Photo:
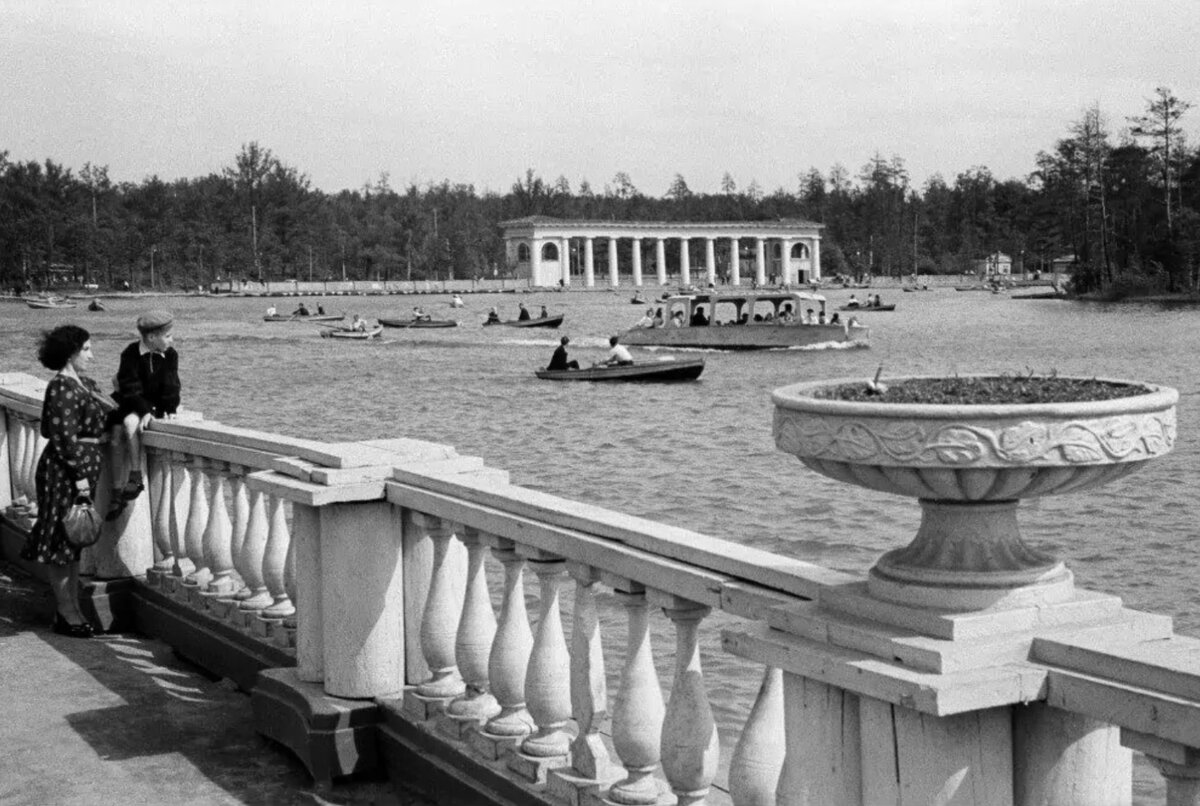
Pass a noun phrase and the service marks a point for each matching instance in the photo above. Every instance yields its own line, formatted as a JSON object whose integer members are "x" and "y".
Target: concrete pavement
{"x": 121, "y": 719}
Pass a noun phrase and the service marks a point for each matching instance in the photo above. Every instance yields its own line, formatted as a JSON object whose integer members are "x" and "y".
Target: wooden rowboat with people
{"x": 744, "y": 320}
{"x": 347, "y": 333}
{"x": 664, "y": 370}
{"x": 312, "y": 317}
{"x": 419, "y": 322}
{"x": 541, "y": 321}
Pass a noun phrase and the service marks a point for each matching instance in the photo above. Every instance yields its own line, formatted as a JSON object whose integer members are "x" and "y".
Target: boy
{"x": 147, "y": 387}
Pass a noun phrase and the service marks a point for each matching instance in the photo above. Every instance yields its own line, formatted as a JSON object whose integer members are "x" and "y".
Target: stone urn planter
{"x": 969, "y": 465}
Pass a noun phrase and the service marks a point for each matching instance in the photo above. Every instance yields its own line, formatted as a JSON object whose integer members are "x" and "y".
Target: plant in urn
{"x": 969, "y": 448}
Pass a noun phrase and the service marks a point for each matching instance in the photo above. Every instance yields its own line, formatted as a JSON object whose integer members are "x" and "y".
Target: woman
{"x": 74, "y": 416}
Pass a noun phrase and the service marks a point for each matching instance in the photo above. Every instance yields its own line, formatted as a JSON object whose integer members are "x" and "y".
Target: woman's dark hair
{"x": 60, "y": 344}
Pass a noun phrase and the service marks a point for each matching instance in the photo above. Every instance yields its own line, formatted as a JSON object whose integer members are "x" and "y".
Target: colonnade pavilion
{"x": 554, "y": 251}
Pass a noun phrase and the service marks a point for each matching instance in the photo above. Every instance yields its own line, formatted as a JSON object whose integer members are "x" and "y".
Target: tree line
{"x": 1124, "y": 205}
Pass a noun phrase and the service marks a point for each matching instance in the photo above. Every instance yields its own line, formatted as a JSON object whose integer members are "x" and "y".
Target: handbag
{"x": 82, "y": 524}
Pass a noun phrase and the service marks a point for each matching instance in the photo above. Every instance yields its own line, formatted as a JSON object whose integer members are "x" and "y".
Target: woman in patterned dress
{"x": 73, "y": 420}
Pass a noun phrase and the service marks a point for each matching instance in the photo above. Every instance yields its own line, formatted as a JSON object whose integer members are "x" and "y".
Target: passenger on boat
{"x": 457, "y": 302}
{"x": 809, "y": 317}
{"x": 419, "y": 315}
{"x": 785, "y": 313}
{"x": 493, "y": 316}
{"x": 617, "y": 354}
{"x": 559, "y": 359}
{"x": 836, "y": 319}
{"x": 358, "y": 324}
{"x": 852, "y": 302}
{"x": 271, "y": 310}
{"x": 647, "y": 319}
{"x": 320, "y": 309}
{"x": 545, "y": 314}
{"x": 821, "y": 318}
{"x": 677, "y": 319}
{"x": 698, "y": 317}
{"x": 523, "y": 316}
{"x": 95, "y": 305}
{"x": 657, "y": 319}
{"x": 301, "y": 311}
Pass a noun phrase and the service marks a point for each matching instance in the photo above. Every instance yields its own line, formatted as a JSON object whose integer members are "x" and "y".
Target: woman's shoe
{"x": 64, "y": 627}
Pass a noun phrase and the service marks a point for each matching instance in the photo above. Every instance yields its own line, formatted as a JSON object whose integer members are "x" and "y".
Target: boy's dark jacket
{"x": 148, "y": 384}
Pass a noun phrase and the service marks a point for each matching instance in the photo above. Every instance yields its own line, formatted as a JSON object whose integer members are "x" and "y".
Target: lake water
{"x": 698, "y": 455}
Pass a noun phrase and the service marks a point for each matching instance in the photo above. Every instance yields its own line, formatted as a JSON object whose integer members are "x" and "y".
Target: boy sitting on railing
{"x": 147, "y": 387}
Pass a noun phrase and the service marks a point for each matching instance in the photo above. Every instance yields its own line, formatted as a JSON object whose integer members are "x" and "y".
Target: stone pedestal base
{"x": 331, "y": 736}
{"x": 576, "y": 790}
{"x": 534, "y": 768}
{"x": 491, "y": 747}
{"x": 422, "y": 709}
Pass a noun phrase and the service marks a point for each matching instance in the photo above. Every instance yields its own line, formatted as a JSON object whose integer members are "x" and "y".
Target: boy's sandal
{"x": 132, "y": 490}
{"x": 115, "y": 508}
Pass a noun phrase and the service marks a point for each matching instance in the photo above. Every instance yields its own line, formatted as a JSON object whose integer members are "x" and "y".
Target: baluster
{"x": 241, "y": 522}
{"x": 160, "y": 499}
{"x": 7, "y": 488}
{"x": 218, "y": 534}
{"x": 274, "y": 560}
{"x": 638, "y": 711}
{"x": 548, "y": 679}
{"x": 197, "y": 522}
{"x": 439, "y": 622}
{"x": 24, "y": 473}
{"x": 16, "y": 456}
{"x": 510, "y": 649}
{"x": 690, "y": 747}
{"x": 757, "y": 760}
{"x": 181, "y": 491}
{"x": 589, "y": 690}
{"x": 476, "y": 630}
{"x": 255, "y": 595}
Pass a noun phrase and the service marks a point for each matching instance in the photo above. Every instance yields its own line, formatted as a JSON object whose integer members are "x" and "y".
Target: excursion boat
{"x": 661, "y": 371}
{"x": 347, "y": 333}
{"x": 312, "y": 317}
{"x": 749, "y": 320}
{"x": 543, "y": 321}
{"x": 418, "y": 322}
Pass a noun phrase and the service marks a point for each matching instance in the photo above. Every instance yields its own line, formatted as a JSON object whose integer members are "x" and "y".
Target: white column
{"x": 197, "y": 521}
{"x": 735, "y": 263}
{"x": 690, "y": 747}
{"x": 660, "y": 260}
{"x": 816, "y": 258}
{"x": 535, "y": 262}
{"x": 255, "y": 595}
{"x": 760, "y": 262}
{"x": 218, "y": 535}
{"x": 785, "y": 261}
{"x": 613, "y": 272}
{"x": 710, "y": 261}
{"x": 275, "y": 557}
{"x": 637, "y": 262}
{"x": 589, "y": 262}
{"x": 548, "y": 676}
{"x": 439, "y": 624}
{"x": 564, "y": 260}
{"x": 180, "y": 493}
{"x": 510, "y": 648}
{"x": 589, "y": 690}
{"x": 638, "y": 711}
{"x": 160, "y": 500}
{"x": 476, "y": 631}
{"x": 685, "y": 263}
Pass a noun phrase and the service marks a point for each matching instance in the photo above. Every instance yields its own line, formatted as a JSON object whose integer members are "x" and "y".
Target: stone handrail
{"x": 367, "y": 563}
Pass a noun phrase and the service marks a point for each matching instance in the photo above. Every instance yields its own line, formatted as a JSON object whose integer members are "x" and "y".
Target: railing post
{"x": 473, "y": 644}
{"x": 278, "y": 540}
{"x": 758, "y": 758}
{"x": 197, "y": 522}
{"x": 362, "y": 599}
{"x": 690, "y": 746}
{"x": 439, "y": 625}
{"x": 591, "y": 766}
{"x": 638, "y": 711}
{"x": 6, "y": 474}
{"x": 255, "y": 595}
{"x": 181, "y": 491}
{"x": 1068, "y": 759}
{"x": 548, "y": 676}
{"x": 160, "y": 500}
{"x": 238, "y": 526}
{"x": 508, "y": 660}
{"x": 218, "y": 534}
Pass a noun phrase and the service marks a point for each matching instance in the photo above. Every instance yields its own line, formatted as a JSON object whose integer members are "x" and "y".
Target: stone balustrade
{"x": 374, "y": 598}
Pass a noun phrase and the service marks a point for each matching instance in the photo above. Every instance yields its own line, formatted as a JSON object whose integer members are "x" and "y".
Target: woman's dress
{"x": 70, "y": 411}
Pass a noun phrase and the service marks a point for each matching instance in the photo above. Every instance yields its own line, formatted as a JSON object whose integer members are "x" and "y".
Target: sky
{"x": 478, "y": 92}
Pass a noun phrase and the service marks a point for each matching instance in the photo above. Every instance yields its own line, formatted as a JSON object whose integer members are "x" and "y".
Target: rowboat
{"x": 312, "y": 317}
{"x": 745, "y": 320}
{"x": 49, "y": 303}
{"x": 418, "y": 322}
{"x": 347, "y": 333}
{"x": 890, "y": 307}
{"x": 663, "y": 370}
{"x": 544, "y": 321}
